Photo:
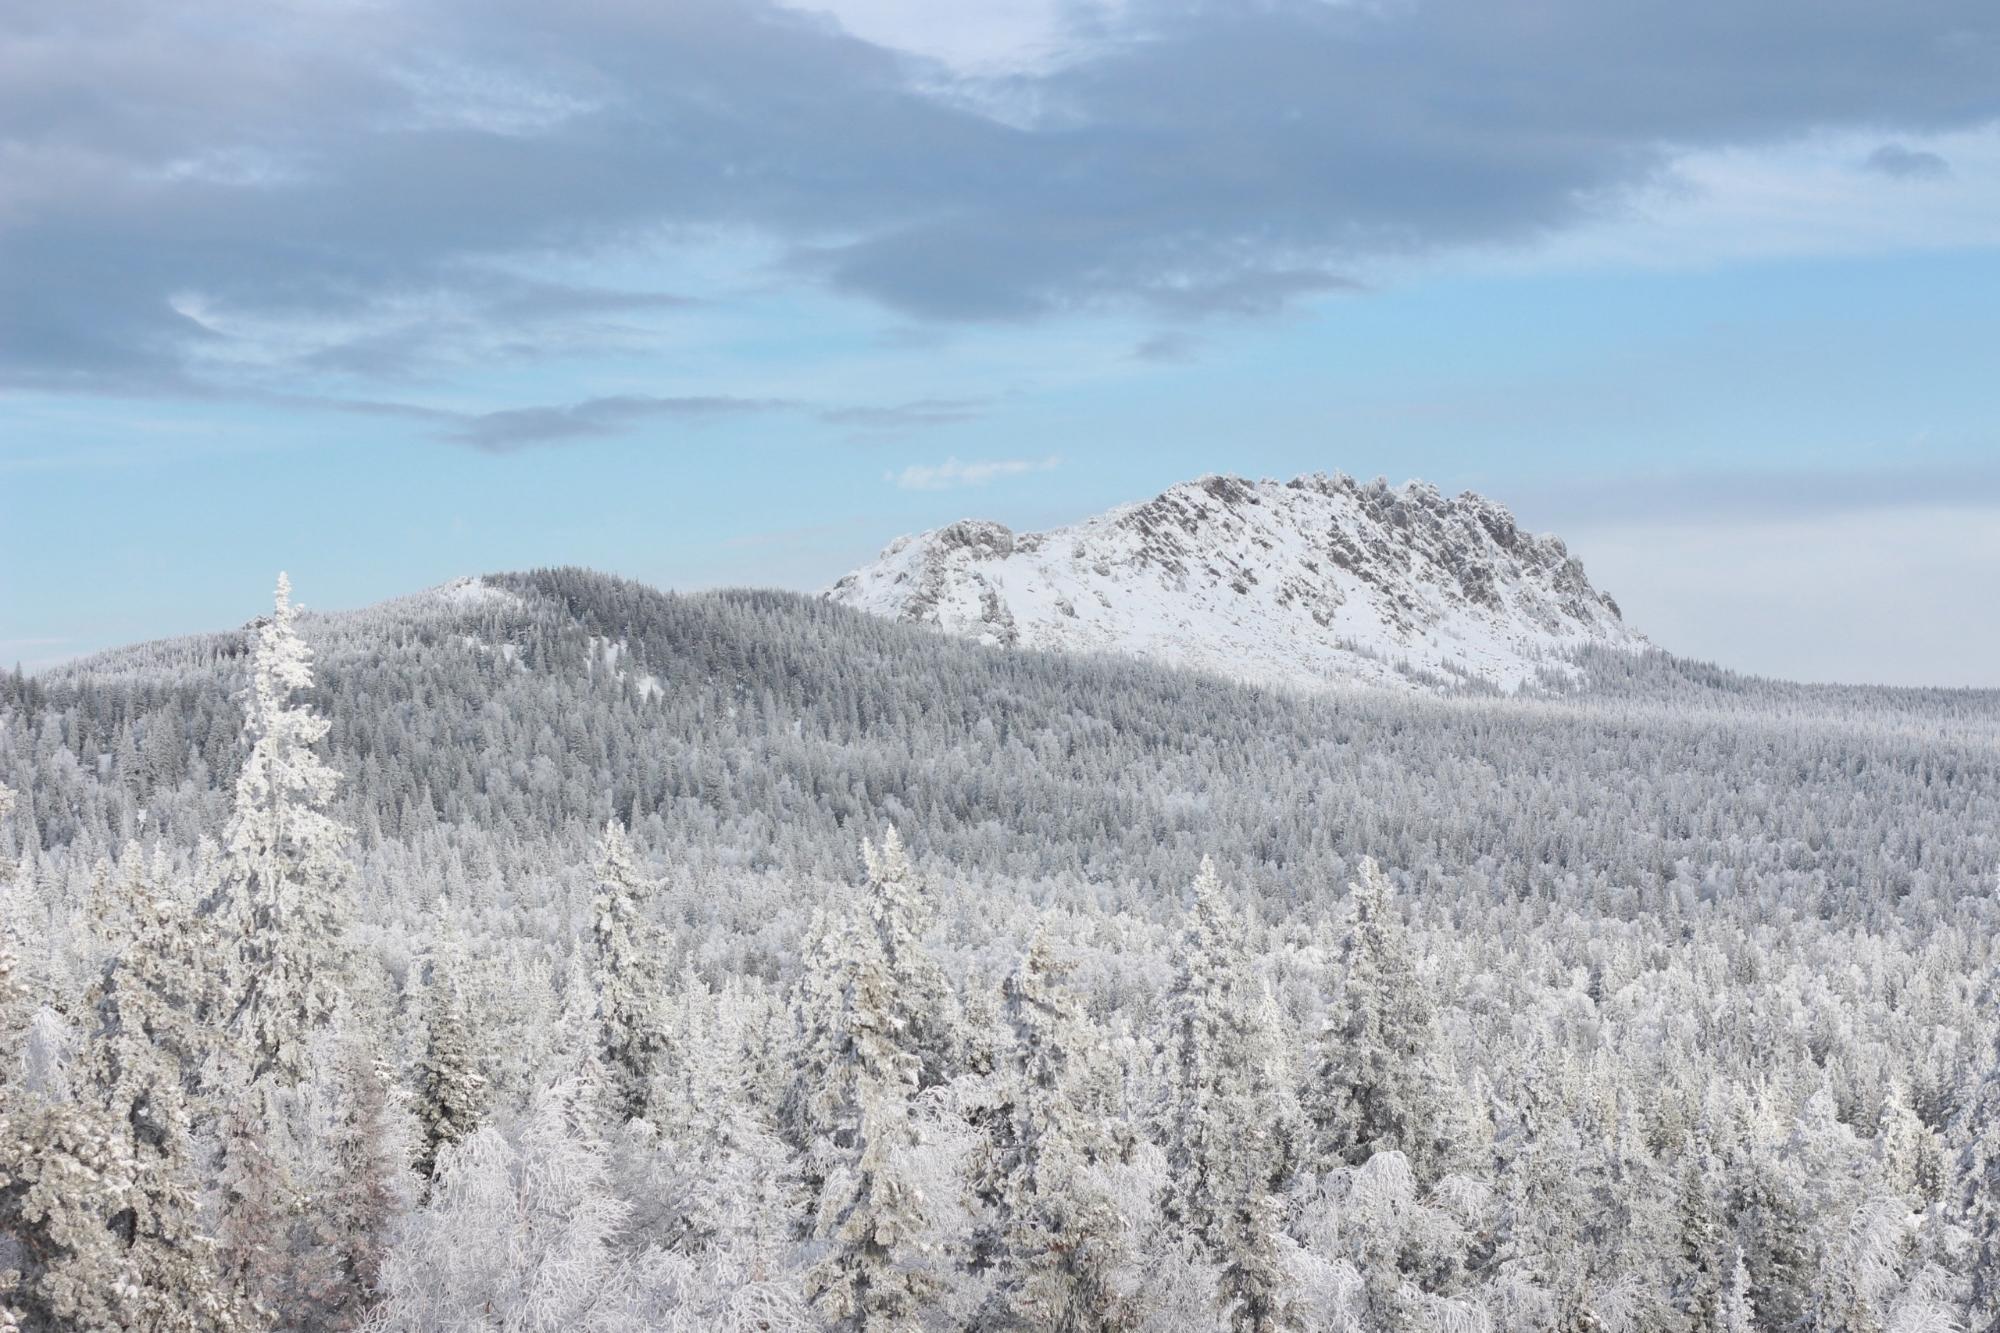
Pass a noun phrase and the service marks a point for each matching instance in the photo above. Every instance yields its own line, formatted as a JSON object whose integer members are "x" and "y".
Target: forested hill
{"x": 1668, "y": 1010}
{"x": 766, "y": 729}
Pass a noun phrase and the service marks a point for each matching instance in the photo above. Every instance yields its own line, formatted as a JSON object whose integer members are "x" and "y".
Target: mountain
{"x": 1320, "y": 580}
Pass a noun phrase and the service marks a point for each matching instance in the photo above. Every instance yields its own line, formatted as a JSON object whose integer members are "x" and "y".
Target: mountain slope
{"x": 1316, "y": 581}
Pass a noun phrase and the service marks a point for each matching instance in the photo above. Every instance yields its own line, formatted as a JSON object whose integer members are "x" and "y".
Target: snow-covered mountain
{"x": 1320, "y": 580}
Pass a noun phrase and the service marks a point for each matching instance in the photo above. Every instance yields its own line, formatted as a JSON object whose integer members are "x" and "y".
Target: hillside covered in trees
{"x": 545, "y": 952}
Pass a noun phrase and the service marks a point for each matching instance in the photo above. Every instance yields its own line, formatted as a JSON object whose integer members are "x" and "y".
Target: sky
{"x": 718, "y": 292}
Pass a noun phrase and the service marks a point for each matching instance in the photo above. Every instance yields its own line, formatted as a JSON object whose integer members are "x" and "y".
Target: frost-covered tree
{"x": 1222, "y": 1110}
{"x": 1374, "y": 1088}
{"x": 370, "y": 1185}
{"x": 99, "y": 1224}
{"x": 61, "y": 1179}
{"x": 1738, "y": 1313}
{"x": 741, "y": 1271}
{"x": 142, "y": 1057}
{"x": 519, "y": 1233}
{"x": 1698, "y": 1283}
{"x": 883, "y": 926}
{"x": 881, "y": 1270}
{"x": 451, "y": 1092}
{"x": 1909, "y": 1160}
{"x": 1776, "y": 1239}
{"x": 285, "y": 861}
{"x": 630, "y": 969}
{"x": 1979, "y": 1194}
{"x": 900, "y": 905}
{"x": 1066, "y": 1248}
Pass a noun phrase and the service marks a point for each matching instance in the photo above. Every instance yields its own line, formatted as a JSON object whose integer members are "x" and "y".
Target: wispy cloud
{"x": 952, "y": 474}
{"x": 1905, "y": 163}
{"x": 906, "y": 416}
{"x": 526, "y": 427}
{"x": 510, "y": 430}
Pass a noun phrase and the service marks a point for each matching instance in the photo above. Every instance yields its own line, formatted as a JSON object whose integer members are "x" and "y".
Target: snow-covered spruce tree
{"x": 1909, "y": 1160}
{"x": 1979, "y": 1194}
{"x": 1374, "y": 1085}
{"x": 1064, "y": 1243}
{"x": 630, "y": 973}
{"x": 451, "y": 1092}
{"x": 880, "y": 1271}
{"x": 371, "y": 1183}
{"x": 736, "y": 1195}
{"x": 900, "y": 906}
{"x": 61, "y": 1179}
{"x": 285, "y": 863}
{"x": 97, "y": 1205}
{"x": 1221, "y": 1111}
{"x": 1738, "y": 1313}
{"x": 1698, "y": 1281}
{"x": 136, "y": 1069}
{"x": 892, "y": 912}
{"x": 1766, "y": 1200}
{"x": 810, "y": 1112}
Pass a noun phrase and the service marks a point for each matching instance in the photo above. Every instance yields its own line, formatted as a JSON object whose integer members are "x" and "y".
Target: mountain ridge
{"x": 1317, "y": 581}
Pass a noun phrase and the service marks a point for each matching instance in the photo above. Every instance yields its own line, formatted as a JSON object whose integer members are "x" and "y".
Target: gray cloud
{"x": 525, "y": 427}
{"x": 1903, "y": 163}
{"x": 1170, "y": 345}
{"x": 923, "y": 412}
{"x": 509, "y": 430}
{"x": 1205, "y": 159}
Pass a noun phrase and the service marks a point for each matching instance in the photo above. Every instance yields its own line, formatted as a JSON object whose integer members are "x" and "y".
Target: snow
{"x": 466, "y": 593}
{"x": 1321, "y": 581}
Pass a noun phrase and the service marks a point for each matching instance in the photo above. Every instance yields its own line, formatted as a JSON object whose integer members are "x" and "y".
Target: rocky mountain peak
{"x": 1320, "y": 580}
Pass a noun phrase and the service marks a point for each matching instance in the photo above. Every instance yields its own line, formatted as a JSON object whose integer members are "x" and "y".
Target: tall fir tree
{"x": 1698, "y": 1282}
{"x": 1979, "y": 1194}
{"x": 137, "y": 1068}
{"x": 451, "y": 1092}
{"x": 1374, "y": 1085}
{"x": 98, "y": 1204}
{"x": 900, "y": 906}
{"x": 880, "y": 1271}
{"x": 285, "y": 862}
{"x": 1223, "y": 1111}
{"x": 1739, "y": 1312}
{"x": 371, "y": 1183}
{"x": 630, "y": 973}
{"x": 1065, "y": 1244}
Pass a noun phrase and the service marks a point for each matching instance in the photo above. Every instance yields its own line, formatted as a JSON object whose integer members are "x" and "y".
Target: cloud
{"x": 1185, "y": 159}
{"x": 1903, "y": 163}
{"x": 509, "y": 430}
{"x": 923, "y": 412}
{"x": 514, "y": 429}
{"x": 952, "y": 474}
{"x": 1168, "y": 346}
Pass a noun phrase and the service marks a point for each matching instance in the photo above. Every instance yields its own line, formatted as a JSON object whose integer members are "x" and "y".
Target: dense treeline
{"x": 512, "y": 966}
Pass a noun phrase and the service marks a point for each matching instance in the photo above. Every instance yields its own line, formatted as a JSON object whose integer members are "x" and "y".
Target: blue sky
{"x": 724, "y": 293}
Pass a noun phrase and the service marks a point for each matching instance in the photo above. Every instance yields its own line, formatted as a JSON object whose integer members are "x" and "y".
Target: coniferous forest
{"x": 545, "y": 952}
